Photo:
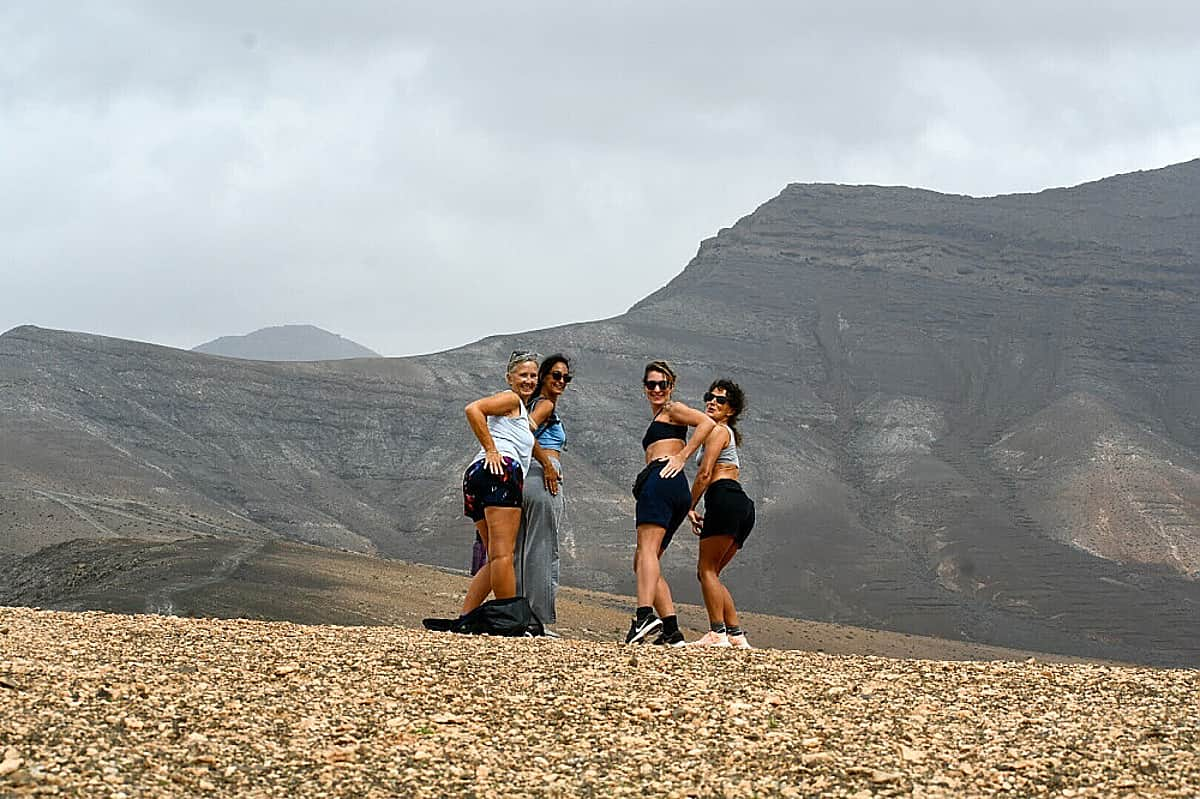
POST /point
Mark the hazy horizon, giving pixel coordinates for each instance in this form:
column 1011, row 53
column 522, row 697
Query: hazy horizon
column 179, row 173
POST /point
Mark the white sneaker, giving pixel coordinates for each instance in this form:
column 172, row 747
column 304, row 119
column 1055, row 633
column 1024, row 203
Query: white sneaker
column 712, row 639
column 739, row 642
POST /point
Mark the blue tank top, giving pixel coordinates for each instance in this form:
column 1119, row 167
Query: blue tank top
column 550, row 434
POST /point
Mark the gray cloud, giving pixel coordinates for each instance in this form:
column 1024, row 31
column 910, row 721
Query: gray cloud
column 179, row 171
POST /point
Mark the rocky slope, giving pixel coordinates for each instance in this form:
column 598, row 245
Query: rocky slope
column 100, row 705
column 226, row 577
column 971, row 418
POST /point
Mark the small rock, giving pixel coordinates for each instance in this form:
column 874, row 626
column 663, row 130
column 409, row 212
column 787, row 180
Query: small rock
column 882, row 777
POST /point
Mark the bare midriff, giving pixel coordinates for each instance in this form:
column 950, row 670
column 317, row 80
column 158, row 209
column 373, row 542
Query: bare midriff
column 724, row 471
column 664, row 448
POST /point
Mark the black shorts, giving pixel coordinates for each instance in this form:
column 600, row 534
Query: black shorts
column 482, row 489
column 662, row 502
column 728, row 511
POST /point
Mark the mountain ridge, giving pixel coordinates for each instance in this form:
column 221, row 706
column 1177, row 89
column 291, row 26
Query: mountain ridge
column 888, row 342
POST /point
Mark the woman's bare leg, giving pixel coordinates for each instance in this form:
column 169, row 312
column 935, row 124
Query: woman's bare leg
column 664, row 605
column 651, row 587
column 503, row 524
column 715, row 552
column 481, row 582
column 729, row 612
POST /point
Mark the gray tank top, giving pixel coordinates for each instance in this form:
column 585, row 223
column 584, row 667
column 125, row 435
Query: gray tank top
column 729, row 453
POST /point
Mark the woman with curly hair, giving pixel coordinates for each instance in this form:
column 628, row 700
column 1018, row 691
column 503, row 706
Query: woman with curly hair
column 728, row 513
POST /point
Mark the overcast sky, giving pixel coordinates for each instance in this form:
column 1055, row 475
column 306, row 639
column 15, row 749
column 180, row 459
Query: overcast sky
column 415, row 176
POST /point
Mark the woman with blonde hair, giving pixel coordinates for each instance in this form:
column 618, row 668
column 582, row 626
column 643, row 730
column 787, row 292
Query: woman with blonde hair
column 493, row 484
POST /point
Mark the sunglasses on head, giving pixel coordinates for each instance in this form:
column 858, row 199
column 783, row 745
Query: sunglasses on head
column 661, row 385
column 720, row 399
column 562, row 377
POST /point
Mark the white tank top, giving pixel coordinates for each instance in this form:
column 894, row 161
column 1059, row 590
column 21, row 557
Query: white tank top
column 512, row 437
column 729, row 453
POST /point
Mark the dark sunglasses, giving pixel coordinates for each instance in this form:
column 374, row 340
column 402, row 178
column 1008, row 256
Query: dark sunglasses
column 661, row 385
column 709, row 397
column 562, row 377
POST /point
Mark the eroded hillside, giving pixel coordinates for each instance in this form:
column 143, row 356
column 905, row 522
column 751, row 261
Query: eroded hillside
column 896, row 345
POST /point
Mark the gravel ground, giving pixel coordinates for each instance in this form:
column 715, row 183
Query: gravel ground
column 102, row 705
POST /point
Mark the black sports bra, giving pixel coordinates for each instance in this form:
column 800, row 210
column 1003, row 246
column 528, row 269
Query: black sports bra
column 662, row 431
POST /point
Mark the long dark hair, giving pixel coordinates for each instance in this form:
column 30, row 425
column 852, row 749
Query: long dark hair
column 737, row 402
column 544, row 371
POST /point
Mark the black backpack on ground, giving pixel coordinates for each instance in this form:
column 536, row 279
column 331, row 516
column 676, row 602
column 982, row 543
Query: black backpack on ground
column 508, row 617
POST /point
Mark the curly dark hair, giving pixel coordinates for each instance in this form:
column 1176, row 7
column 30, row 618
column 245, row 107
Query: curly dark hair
column 737, row 403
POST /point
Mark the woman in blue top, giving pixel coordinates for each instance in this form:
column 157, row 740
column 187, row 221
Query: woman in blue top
column 536, row 558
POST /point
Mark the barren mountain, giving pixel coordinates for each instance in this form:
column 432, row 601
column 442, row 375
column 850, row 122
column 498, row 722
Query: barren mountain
column 972, row 418
column 287, row 343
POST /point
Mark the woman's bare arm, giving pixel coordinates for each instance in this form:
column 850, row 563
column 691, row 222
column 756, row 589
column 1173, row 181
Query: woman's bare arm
column 717, row 440
column 679, row 413
column 502, row 404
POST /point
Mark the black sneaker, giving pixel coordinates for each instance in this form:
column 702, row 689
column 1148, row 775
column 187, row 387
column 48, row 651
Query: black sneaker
column 672, row 639
column 639, row 630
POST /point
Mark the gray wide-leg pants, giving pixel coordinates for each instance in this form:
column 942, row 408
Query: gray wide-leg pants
column 535, row 559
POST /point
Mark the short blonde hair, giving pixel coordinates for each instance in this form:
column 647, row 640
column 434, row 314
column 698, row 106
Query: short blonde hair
column 519, row 357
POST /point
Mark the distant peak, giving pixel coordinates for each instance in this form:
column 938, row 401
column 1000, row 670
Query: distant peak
column 290, row 342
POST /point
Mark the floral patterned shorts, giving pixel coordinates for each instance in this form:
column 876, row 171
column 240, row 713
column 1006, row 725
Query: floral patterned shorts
column 482, row 489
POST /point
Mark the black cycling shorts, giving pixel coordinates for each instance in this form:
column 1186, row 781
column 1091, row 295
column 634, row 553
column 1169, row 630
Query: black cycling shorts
column 728, row 511
column 663, row 502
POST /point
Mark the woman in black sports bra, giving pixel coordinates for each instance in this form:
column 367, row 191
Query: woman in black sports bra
column 663, row 501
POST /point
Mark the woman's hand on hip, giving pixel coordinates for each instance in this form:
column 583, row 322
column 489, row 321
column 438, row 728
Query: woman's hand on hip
column 674, row 465
column 552, row 476
column 494, row 463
